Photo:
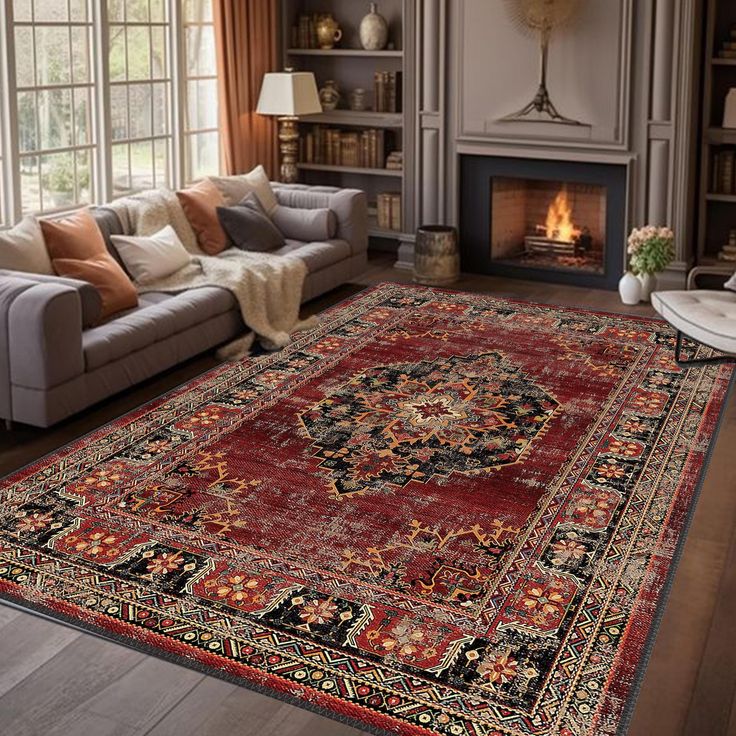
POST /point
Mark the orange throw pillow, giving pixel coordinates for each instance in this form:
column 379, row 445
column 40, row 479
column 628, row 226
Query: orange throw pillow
column 77, row 250
column 200, row 204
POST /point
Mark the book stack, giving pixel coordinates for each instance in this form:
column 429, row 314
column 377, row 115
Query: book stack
column 304, row 33
column 373, row 147
column 388, row 211
column 395, row 161
column 350, row 150
column 335, row 147
column 387, row 91
column 728, row 252
column 728, row 47
column 722, row 180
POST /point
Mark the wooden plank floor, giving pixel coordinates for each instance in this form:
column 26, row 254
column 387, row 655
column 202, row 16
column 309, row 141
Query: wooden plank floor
column 56, row 681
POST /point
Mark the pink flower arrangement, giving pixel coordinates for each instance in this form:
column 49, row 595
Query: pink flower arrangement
column 650, row 248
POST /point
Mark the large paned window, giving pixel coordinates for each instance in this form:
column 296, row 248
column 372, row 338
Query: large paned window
column 140, row 94
column 202, row 144
column 104, row 97
column 54, row 83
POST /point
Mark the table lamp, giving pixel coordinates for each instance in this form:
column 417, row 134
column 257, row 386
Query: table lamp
column 288, row 95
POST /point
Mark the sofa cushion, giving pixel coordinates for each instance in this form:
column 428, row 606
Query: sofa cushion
column 77, row 250
column 318, row 255
column 159, row 316
column 200, row 203
column 706, row 316
column 235, row 188
column 22, row 248
column 152, row 257
column 248, row 227
column 310, row 225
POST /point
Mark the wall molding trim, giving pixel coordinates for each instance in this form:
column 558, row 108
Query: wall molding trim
column 542, row 133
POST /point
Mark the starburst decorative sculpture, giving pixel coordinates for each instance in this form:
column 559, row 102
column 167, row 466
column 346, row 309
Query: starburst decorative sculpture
column 542, row 17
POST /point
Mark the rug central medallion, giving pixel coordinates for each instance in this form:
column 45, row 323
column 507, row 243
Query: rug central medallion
column 415, row 421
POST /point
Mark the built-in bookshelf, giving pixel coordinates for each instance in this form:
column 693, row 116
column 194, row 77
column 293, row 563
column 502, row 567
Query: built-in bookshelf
column 717, row 201
column 370, row 149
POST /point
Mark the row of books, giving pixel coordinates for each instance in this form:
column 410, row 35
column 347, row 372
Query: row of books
column 723, row 167
column 728, row 47
column 304, row 32
column 387, row 91
column 358, row 149
column 388, row 211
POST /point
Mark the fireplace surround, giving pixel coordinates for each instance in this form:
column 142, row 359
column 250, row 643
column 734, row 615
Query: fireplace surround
column 547, row 220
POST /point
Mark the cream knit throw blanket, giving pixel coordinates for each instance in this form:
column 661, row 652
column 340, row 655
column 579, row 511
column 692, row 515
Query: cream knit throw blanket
column 268, row 288
column 148, row 212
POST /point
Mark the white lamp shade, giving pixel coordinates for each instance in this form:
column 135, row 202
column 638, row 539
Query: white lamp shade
column 289, row 93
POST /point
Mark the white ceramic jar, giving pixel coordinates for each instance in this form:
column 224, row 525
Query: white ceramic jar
column 629, row 288
column 373, row 30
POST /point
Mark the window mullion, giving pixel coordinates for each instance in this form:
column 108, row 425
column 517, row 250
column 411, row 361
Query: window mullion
column 178, row 75
column 12, row 147
column 102, row 110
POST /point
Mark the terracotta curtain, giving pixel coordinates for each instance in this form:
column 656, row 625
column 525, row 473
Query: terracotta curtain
column 246, row 35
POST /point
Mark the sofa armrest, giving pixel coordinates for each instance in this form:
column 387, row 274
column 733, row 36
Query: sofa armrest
column 349, row 205
column 43, row 333
column 351, row 208
column 88, row 294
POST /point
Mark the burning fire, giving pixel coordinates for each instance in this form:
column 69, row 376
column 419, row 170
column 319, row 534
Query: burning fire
column 559, row 224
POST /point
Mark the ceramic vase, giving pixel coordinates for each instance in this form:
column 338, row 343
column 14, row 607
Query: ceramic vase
column 629, row 288
column 328, row 31
column 329, row 95
column 648, row 283
column 373, row 30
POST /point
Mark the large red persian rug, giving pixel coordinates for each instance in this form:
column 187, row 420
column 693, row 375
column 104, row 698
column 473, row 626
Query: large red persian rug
column 437, row 513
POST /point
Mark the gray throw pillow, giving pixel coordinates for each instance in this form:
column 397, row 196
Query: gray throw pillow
column 305, row 224
column 248, row 227
column 109, row 224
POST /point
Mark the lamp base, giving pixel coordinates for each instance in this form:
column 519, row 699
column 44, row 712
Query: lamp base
column 289, row 147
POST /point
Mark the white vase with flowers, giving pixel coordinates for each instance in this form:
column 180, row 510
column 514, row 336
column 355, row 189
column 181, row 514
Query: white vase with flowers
column 650, row 250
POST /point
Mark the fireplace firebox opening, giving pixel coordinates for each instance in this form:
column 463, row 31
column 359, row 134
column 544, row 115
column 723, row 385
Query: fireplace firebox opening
column 549, row 220
column 548, row 224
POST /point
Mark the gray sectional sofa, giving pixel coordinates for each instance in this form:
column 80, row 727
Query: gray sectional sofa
column 55, row 362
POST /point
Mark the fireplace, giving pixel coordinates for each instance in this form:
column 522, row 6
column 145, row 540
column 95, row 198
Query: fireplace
column 557, row 221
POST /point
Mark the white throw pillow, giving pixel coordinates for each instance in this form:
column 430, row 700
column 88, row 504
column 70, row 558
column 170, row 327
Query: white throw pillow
column 234, row 189
column 731, row 283
column 151, row 257
column 22, row 248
